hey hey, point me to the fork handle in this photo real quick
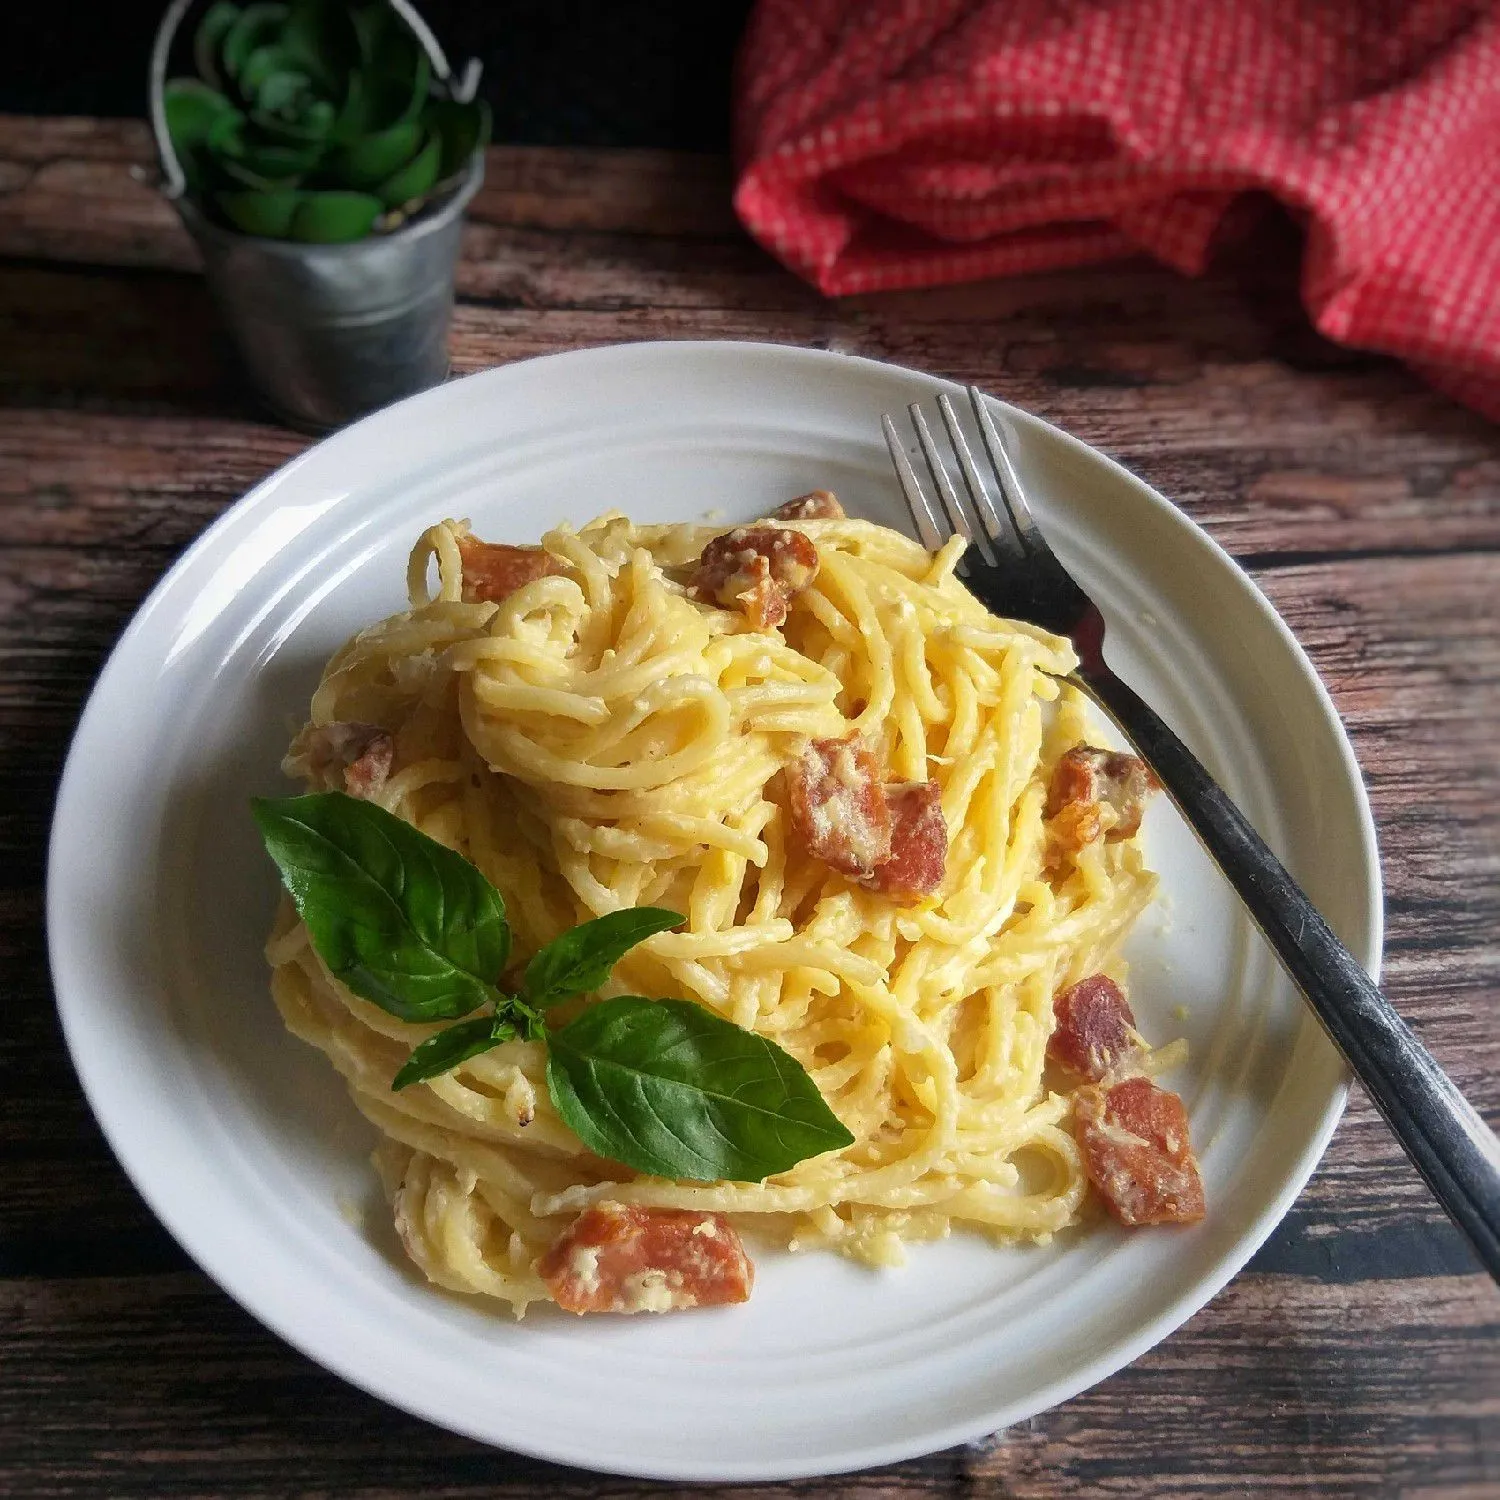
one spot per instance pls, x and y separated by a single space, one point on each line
1450 1145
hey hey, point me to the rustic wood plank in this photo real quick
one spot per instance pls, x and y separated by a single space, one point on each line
35 140
113 480
671 193
1344 460
150 341
159 1385
1172 376
1208 1414
50 167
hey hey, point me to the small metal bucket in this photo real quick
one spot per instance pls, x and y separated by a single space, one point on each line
329 332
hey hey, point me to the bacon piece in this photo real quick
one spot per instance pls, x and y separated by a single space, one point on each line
1134 1139
495 570
757 570
1095 1027
817 505
919 843
617 1257
1088 780
839 807
358 756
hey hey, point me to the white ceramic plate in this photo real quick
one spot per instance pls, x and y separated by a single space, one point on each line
241 1138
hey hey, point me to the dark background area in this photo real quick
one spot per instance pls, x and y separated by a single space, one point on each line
556 72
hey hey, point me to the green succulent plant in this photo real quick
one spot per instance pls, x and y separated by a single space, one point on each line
317 120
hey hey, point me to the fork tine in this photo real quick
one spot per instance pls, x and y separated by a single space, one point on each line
1005 474
928 527
997 526
957 515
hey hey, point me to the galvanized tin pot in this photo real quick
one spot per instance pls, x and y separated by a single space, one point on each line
329 332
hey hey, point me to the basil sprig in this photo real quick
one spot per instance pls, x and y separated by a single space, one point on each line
581 959
664 1086
399 918
444 1050
670 1083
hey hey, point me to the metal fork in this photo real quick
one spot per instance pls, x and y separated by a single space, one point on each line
1013 571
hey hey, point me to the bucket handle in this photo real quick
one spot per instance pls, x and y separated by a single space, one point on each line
174 181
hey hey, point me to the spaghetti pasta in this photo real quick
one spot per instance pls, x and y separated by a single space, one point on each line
603 737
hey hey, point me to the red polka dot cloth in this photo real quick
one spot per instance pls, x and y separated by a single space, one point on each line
893 143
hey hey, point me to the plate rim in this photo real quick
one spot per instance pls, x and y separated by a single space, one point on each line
1176 1311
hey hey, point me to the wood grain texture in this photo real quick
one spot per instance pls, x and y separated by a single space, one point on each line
1357 1356
85 190
1346 460
170 1391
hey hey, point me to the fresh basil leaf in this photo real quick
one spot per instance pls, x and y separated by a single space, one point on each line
669 1088
448 1048
580 960
399 918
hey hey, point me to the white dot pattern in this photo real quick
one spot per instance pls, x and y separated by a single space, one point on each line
893 143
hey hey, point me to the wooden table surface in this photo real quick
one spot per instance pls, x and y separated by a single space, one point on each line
1358 1355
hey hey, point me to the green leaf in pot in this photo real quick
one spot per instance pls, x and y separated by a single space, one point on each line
192 109
264 213
355 111
310 126
369 161
226 136
275 65
390 46
287 109
328 97
209 38
255 26
463 130
262 169
416 178
371 22
669 1088
275 164
322 39
420 82
402 920
334 217
377 102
